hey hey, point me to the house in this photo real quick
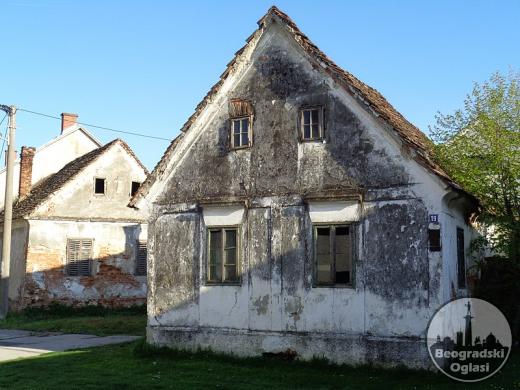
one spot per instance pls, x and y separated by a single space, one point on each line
299 211
74 239
74 141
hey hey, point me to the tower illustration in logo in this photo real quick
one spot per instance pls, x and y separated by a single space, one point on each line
469 345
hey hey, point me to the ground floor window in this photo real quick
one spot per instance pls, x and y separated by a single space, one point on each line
333 255
79 257
222 263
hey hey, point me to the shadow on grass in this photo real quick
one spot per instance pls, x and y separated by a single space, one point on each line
137 365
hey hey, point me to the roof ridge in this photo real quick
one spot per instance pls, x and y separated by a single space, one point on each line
55 181
409 133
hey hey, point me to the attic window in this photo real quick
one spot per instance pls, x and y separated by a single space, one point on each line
135 187
99 186
240 133
311 123
241 117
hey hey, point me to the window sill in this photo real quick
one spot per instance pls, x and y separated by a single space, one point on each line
223 284
79 276
320 140
239 147
346 286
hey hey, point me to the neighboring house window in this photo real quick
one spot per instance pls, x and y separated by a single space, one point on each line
99 186
241 132
135 187
223 255
311 123
140 260
79 257
461 260
333 255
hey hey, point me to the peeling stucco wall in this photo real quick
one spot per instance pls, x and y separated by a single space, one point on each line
398 282
113 281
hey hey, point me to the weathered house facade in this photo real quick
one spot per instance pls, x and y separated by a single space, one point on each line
298 210
75 241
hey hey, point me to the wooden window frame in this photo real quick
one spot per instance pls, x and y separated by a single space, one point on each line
90 257
104 186
333 226
321 123
249 132
139 247
222 229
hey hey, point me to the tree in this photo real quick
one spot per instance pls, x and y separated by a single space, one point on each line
479 146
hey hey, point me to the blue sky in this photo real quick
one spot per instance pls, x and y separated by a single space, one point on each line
144 66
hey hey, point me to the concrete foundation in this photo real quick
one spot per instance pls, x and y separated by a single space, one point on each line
337 348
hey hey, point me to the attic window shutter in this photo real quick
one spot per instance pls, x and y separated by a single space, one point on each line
140 261
79 254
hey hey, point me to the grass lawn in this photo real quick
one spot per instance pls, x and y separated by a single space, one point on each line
91 320
132 366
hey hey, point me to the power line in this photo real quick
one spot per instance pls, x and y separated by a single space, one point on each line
97 127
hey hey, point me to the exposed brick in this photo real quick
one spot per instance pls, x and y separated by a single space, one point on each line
26 164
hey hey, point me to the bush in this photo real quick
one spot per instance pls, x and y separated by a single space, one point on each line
58 310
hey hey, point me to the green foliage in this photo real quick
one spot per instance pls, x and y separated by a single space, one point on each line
479 146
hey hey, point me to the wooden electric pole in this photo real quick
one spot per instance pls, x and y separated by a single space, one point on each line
8 212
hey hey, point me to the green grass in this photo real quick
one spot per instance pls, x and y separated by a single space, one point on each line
90 319
134 366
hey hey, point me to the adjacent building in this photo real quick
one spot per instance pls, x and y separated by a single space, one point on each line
299 211
75 241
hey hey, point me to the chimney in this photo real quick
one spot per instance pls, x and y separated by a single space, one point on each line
26 164
68 120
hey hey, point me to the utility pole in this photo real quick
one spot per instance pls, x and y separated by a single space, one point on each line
8 212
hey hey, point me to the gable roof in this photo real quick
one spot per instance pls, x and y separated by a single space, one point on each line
415 140
53 183
66 133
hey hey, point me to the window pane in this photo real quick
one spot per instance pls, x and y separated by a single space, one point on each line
324 264
306 131
236 127
231 238
306 117
315 131
343 256
236 140
214 273
245 139
230 266
315 116
245 125
231 273
215 253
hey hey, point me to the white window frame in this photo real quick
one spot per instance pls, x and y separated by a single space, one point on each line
249 132
321 132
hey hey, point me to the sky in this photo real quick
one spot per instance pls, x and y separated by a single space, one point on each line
143 66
